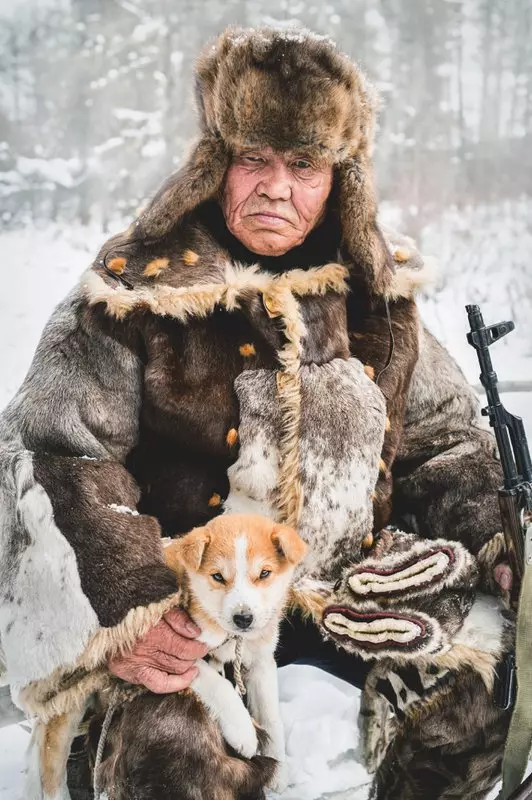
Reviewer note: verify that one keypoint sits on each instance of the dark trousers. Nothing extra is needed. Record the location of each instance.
(300, 642)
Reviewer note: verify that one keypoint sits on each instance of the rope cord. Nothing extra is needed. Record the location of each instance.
(101, 743)
(392, 342)
(237, 667)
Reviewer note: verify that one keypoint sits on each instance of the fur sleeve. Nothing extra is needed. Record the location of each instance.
(82, 573)
(446, 474)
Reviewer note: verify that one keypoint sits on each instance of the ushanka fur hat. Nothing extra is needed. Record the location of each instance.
(292, 91)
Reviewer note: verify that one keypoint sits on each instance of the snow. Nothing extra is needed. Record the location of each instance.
(55, 170)
(39, 268)
(319, 714)
(481, 252)
(13, 743)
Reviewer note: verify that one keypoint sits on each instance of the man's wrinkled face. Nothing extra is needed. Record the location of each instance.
(271, 200)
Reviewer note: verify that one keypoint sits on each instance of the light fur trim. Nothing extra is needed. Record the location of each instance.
(39, 699)
(200, 299)
(316, 280)
(67, 689)
(310, 597)
(166, 301)
(414, 272)
(290, 490)
(408, 281)
(460, 656)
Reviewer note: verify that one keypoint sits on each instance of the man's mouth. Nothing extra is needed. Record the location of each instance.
(269, 217)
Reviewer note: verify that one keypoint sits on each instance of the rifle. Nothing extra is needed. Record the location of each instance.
(515, 496)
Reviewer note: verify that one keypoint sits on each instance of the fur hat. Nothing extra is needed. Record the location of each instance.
(289, 90)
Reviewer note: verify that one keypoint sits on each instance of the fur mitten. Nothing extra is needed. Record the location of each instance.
(408, 601)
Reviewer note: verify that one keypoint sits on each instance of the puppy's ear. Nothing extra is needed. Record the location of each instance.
(189, 550)
(289, 543)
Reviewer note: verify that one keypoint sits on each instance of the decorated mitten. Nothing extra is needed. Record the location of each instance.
(406, 602)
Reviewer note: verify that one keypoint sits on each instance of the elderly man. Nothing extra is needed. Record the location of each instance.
(128, 421)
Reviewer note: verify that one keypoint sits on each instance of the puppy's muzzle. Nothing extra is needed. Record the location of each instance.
(243, 620)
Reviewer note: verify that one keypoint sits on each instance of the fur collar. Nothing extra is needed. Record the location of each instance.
(226, 283)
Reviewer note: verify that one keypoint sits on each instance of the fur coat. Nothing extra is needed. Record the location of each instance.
(184, 376)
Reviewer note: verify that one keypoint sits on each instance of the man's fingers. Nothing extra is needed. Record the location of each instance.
(169, 640)
(185, 649)
(171, 664)
(160, 682)
(164, 638)
(180, 621)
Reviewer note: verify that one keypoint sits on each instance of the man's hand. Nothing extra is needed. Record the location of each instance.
(164, 659)
(503, 576)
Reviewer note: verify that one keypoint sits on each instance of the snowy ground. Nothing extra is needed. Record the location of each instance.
(319, 711)
(320, 717)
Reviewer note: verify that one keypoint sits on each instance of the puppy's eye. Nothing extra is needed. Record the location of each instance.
(218, 577)
(265, 573)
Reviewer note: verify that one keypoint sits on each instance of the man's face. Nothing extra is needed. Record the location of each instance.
(272, 200)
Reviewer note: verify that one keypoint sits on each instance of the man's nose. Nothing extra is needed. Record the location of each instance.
(276, 184)
(243, 619)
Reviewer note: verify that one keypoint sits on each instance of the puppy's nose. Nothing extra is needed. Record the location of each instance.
(243, 620)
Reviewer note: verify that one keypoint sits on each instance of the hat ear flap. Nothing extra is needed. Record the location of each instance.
(198, 180)
(362, 237)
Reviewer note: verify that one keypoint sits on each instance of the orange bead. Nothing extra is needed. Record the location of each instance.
(247, 350)
(117, 264)
(232, 437)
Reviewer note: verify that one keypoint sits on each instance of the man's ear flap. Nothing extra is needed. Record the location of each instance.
(189, 549)
(362, 238)
(289, 544)
(198, 180)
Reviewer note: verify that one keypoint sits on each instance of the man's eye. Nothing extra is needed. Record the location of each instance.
(253, 159)
(264, 574)
(218, 577)
(302, 164)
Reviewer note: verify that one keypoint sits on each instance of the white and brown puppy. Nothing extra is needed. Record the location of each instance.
(236, 573)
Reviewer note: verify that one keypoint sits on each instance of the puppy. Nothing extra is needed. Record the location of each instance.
(236, 573)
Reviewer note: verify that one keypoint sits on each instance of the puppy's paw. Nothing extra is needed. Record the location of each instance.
(239, 732)
(280, 779)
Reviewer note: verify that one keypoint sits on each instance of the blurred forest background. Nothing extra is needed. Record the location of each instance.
(97, 106)
(96, 99)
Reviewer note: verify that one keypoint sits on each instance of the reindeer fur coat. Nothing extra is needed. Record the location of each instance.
(184, 376)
